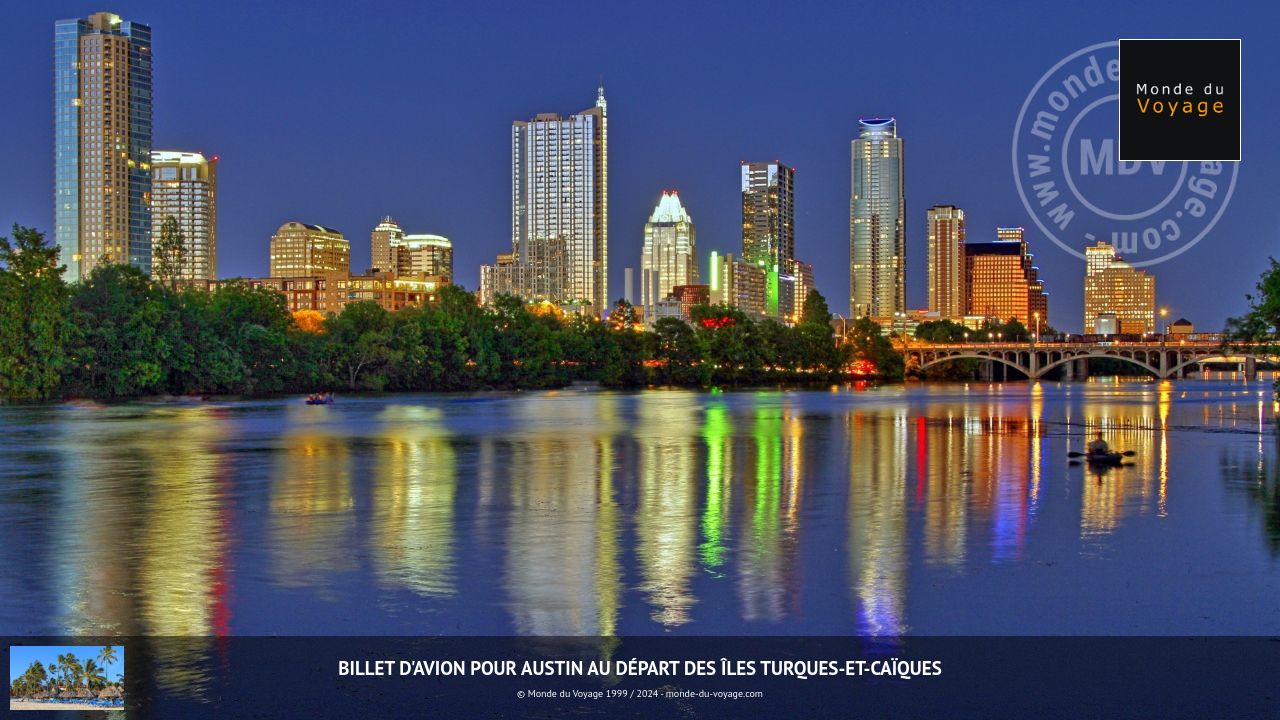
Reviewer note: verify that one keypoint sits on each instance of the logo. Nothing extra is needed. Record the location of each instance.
(1071, 180)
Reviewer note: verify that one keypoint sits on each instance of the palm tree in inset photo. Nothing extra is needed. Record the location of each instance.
(93, 677)
(106, 656)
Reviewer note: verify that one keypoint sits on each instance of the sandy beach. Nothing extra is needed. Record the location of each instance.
(40, 705)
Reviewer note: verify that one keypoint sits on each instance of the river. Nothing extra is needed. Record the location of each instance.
(918, 509)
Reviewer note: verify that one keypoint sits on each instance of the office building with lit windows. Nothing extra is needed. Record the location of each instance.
(1114, 287)
(946, 261)
(184, 186)
(738, 284)
(560, 209)
(391, 250)
(877, 222)
(299, 249)
(669, 256)
(1002, 282)
(386, 236)
(768, 214)
(102, 142)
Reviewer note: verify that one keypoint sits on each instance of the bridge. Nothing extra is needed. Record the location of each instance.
(1166, 358)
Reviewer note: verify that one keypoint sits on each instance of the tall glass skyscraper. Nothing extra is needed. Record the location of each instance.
(877, 222)
(102, 142)
(560, 207)
(669, 257)
(184, 186)
(768, 215)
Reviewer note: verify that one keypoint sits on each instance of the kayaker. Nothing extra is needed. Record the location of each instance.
(1098, 446)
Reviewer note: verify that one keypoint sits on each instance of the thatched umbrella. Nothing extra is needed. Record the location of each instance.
(40, 695)
(67, 694)
(110, 692)
(83, 694)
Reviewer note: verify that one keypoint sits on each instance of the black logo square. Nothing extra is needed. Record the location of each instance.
(1179, 100)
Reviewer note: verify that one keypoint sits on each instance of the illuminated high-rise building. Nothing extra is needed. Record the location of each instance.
(1113, 286)
(768, 214)
(946, 261)
(739, 284)
(299, 250)
(560, 208)
(184, 186)
(102, 142)
(877, 222)
(425, 255)
(669, 256)
(1002, 282)
(386, 235)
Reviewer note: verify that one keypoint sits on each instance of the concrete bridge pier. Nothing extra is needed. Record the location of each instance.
(986, 370)
(1250, 369)
(1081, 369)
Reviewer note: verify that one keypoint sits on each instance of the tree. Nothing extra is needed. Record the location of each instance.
(941, 331)
(106, 656)
(124, 346)
(34, 326)
(868, 343)
(815, 311)
(361, 344)
(309, 321)
(168, 256)
(92, 676)
(679, 353)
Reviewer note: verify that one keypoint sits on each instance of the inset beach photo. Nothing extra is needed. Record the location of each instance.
(66, 677)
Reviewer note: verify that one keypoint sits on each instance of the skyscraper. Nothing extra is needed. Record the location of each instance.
(768, 215)
(946, 261)
(669, 256)
(1114, 287)
(299, 249)
(1001, 281)
(184, 186)
(877, 222)
(560, 208)
(102, 142)
(385, 236)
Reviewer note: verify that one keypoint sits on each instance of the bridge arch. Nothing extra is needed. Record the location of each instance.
(1221, 357)
(1099, 356)
(940, 358)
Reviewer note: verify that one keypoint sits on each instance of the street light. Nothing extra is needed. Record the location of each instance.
(1037, 317)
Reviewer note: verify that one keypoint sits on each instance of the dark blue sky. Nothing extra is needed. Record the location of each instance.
(336, 113)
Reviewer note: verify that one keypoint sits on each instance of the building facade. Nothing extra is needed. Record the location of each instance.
(877, 222)
(669, 256)
(425, 255)
(184, 186)
(560, 208)
(803, 274)
(738, 284)
(386, 235)
(300, 250)
(331, 292)
(1112, 285)
(102, 142)
(768, 214)
(1002, 282)
(946, 261)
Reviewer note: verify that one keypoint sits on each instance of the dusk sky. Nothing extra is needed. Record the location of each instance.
(336, 113)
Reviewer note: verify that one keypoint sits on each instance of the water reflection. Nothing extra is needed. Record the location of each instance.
(563, 565)
(413, 501)
(311, 529)
(874, 512)
(666, 510)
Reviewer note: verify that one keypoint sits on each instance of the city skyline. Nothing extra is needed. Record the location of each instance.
(693, 149)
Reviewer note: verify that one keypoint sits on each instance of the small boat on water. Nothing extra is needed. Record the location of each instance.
(1107, 458)
(1111, 458)
(320, 399)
